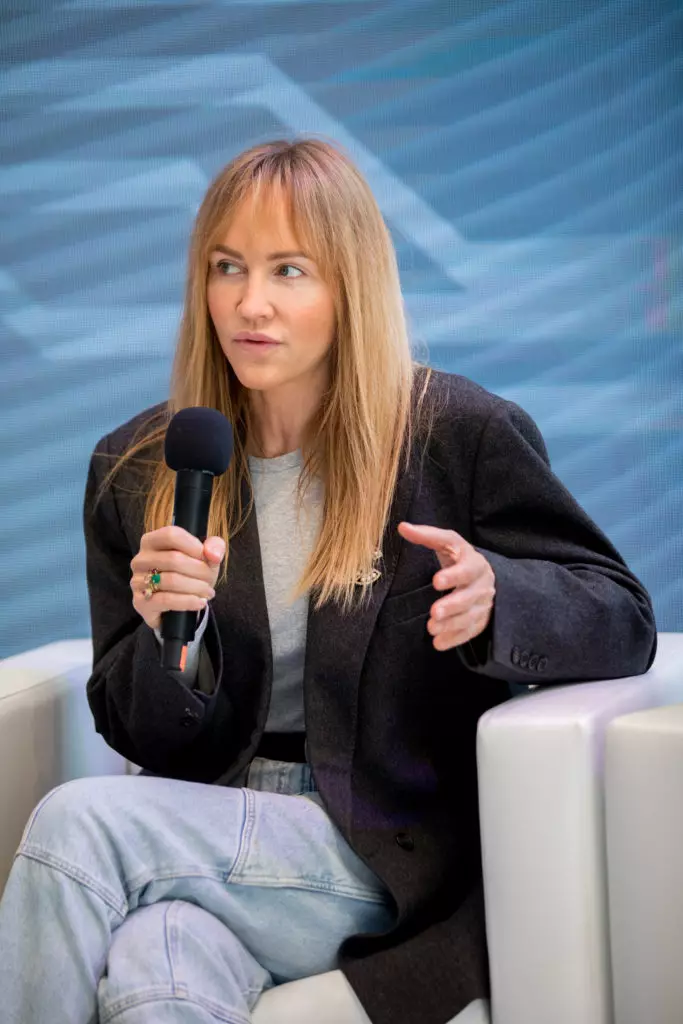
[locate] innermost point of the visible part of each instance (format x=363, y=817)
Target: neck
x=280, y=422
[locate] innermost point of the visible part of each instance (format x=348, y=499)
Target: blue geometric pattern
x=526, y=155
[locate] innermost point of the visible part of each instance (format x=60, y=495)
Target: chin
x=254, y=379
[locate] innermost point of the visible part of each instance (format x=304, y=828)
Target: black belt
x=283, y=746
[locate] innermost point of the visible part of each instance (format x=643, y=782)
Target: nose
x=254, y=302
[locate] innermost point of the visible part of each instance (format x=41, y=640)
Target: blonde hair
x=365, y=422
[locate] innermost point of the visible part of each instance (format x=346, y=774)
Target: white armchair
x=644, y=784
x=542, y=798
x=541, y=758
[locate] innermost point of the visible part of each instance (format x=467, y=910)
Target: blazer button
x=542, y=663
x=533, y=662
x=405, y=841
x=189, y=718
x=514, y=655
x=524, y=659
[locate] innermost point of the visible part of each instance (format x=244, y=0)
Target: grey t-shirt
x=288, y=529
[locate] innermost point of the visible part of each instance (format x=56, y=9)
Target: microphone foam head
x=199, y=438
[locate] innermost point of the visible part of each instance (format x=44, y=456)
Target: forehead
x=263, y=215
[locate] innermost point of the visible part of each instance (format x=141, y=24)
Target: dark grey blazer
x=391, y=722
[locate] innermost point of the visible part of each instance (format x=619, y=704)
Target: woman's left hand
x=466, y=610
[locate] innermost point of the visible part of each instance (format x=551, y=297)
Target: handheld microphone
x=198, y=446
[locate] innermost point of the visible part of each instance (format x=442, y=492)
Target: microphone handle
x=192, y=499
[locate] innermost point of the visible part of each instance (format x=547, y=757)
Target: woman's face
x=273, y=313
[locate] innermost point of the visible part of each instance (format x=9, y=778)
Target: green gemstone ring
x=152, y=583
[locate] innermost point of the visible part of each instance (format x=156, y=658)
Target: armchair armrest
x=644, y=787
x=541, y=761
x=47, y=734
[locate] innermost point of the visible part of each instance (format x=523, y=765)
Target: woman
x=386, y=553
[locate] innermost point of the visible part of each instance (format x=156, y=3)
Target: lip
x=249, y=338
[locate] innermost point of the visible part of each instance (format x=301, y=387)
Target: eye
x=225, y=267
x=289, y=266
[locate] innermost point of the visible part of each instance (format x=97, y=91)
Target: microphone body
x=191, y=511
x=198, y=446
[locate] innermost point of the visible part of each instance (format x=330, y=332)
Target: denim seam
x=34, y=813
x=161, y=993
x=171, y=938
x=139, y=882
x=130, y=886
x=75, y=874
x=310, y=885
x=248, y=825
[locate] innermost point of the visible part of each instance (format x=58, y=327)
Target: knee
x=65, y=813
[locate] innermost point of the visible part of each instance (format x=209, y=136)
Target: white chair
x=541, y=782
x=644, y=785
x=542, y=824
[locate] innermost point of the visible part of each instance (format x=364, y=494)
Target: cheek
x=317, y=322
x=211, y=305
x=217, y=303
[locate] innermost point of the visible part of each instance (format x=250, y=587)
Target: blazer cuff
x=494, y=652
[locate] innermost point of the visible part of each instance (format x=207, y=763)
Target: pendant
x=365, y=578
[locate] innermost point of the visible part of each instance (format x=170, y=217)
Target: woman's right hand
x=188, y=568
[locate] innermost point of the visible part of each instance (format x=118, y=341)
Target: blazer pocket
x=414, y=604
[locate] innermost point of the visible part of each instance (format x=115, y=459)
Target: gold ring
x=152, y=583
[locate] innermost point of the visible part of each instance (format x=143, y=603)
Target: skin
x=249, y=289
x=466, y=574
x=285, y=298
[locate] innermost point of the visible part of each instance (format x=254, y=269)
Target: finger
x=175, y=583
x=465, y=572
x=214, y=550
x=454, y=623
x=472, y=620
x=468, y=627
x=166, y=561
x=446, y=641
x=455, y=603
x=442, y=541
x=459, y=629
x=172, y=538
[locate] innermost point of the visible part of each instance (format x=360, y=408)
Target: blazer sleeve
x=567, y=607
x=147, y=714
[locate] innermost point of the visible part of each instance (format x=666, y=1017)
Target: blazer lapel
x=335, y=651
x=242, y=619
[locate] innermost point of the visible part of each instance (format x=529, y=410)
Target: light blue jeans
x=139, y=899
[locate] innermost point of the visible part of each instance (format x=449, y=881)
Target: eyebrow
x=271, y=255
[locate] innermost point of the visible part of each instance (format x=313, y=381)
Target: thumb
x=214, y=550
x=446, y=544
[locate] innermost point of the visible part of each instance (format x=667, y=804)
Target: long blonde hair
x=365, y=420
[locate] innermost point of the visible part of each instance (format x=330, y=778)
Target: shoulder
x=123, y=482
x=458, y=409
x=452, y=398
x=456, y=396
x=118, y=440
x=107, y=463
